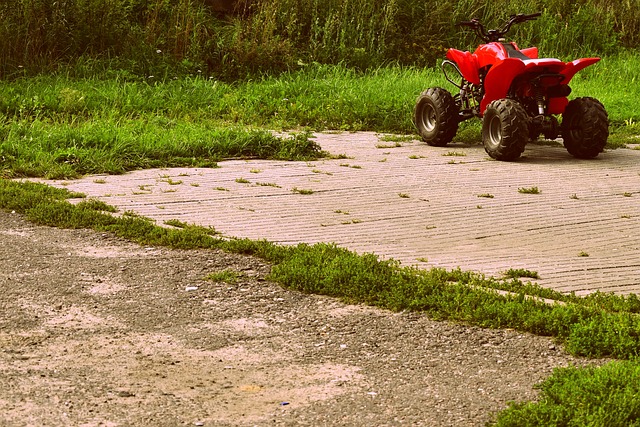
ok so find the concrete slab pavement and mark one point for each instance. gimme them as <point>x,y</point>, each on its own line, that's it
<point>426,206</point>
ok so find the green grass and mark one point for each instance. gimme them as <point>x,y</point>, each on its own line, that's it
<point>516,273</point>
<point>226,276</point>
<point>592,396</point>
<point>529,190</point>
<point>304,191</point>
<point>58,127</point>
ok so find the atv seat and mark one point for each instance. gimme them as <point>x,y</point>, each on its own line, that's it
<point>512,52</point>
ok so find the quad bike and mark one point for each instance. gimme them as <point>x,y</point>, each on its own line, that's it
<point>517,95</point>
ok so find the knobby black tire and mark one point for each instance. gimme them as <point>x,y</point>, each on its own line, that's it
<point>585,128</point>
<point>505,129</point>
<point>436,116</point>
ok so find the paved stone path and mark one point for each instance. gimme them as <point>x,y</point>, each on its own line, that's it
<point>425,206</point>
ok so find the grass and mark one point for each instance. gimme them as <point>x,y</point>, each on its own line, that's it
<point>302,191</point>
<point>516,273</point>
<point>602,396</point>
<point>454,154</point>
<point>59,127</point>
<point>529,190</point>
<point>226,276</point>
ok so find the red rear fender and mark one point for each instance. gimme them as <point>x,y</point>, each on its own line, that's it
<point>468,64</point>
<point>571,68</point>
<point>531,52</point>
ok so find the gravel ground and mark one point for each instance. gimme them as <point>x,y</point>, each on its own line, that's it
<point>96,331</point>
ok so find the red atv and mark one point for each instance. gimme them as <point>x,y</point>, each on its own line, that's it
<point>517,95</point>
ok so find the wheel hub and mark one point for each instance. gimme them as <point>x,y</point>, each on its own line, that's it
<point>429,118</point>
<point>495,131</point>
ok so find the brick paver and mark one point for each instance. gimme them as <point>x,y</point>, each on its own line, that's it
<point>425,206</point>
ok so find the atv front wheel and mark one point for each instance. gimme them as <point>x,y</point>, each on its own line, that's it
<point>436,116</point>
<point>505,131</point>
<point>585,128</point>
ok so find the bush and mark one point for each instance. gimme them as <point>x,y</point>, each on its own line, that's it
<point>188,36</point>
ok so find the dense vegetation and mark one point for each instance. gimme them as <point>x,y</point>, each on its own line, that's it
<point>106,86</point>
<point>160,37</point>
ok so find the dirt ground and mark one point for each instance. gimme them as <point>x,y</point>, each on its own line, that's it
<point>96,331</point>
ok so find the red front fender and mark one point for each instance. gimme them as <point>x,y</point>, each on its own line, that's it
<point>468,64</point>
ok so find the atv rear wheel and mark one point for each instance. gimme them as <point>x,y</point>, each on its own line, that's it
<point>505,131</point>
<point>585,128</point>
<point>436,116</point>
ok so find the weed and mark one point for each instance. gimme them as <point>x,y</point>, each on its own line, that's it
<point>516,273</point>
<point>583,254</point>
<point>99,181</point>
<point>574,196</point>
<point>322,172</point>
<point>176,223</point>
<point>414,156</point>
<point>396,145</point>
<point>396,138</point>
<point>530,190</point>
<point>626,194</point>
<point>301,191</point>
<point>194,184</point>
<point>403,195</point>
<point>255,171</point>
<point>486,195</point>
<point>268,184</point>
<point>454,154</point>
<point>227,276</point>
<point>222,189</point>
<point>172,182</point>
<point>242,181</point>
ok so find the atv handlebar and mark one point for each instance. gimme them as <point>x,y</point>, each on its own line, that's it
<point>495,35</point>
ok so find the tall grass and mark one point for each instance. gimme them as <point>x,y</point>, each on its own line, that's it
<point>58,127</point>
<point>160,37</point>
